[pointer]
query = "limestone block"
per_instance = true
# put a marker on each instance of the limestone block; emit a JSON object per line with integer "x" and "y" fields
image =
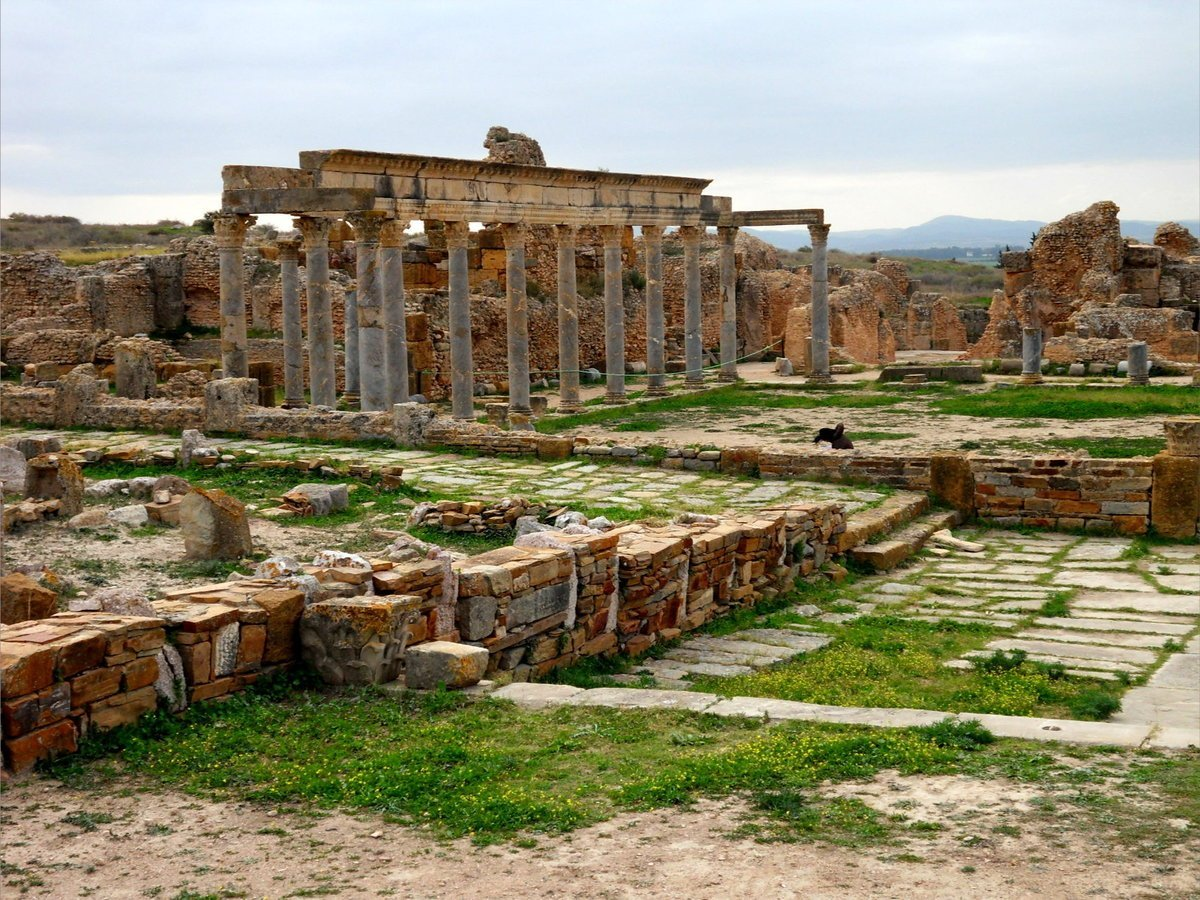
{"x": 317, "y": 499}
{"x": 214, "y": 526}
{"x": 23, "y": 599}
{"x": 284, "y": 608}
{"x": 55, "y": 476}
{"x": 477, "y": 617}
{"x": 358, "y": 640}
{"x": 444, "y": 663}
{"x": 951, "y": 480}
{"x": 22, "y": 715}
{"x": 1175, "y": 500}
{"x": 12, "y": 471}
{"x": 227, "y": 401}
{"x": 38, "y": 446}
{"x": 170, "y": 684}
{"x": 129, "y": 516}
{"x": 123, "y": 709}
{"x": 1183, "y": 435}
{"x": 534, "y": 605}
{"x": 225, "y": 650}
{"x": 135, "y": 377}
{"x": 21, "y": 754}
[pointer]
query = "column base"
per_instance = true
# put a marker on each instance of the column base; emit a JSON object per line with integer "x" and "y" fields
{"x": 727, "y": 378}
{"x": 350, "y": 399}
{"x": 1032, "y": 378}
{"x": 615, "y": 398}
{"x": 520, "y": 410}
{"x": 569, "y": 409}
{"x": 1140, "y": 380}
{"x": 817, "y": 378}
{"x": 656, "y": 391}
{"x": 693, "y": 382}
{"x": 293, "y": 404}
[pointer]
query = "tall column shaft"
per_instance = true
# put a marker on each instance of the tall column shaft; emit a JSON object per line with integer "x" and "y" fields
{"x": 656, "y": 329}
{"x": 350, "y": 325}
{"x": 391, "y": 254}
{"x": 728, "y": 304}
{"x": 372, "y": 346}
{"x": 462, "y": 380}
{"x": 1031, "y": 355}
{"x": 614, "y": 315}
{"x": 1138, "y": 365}
{"x": 693, "y": 310}
{"x": 568, "y": 323}
{"x": 230, "y": 230}
{"x": 322, "y": 360}
{"x": 293, "y": 336}
{"x": 819, "y": 367}
{"x": 518, "y": 318}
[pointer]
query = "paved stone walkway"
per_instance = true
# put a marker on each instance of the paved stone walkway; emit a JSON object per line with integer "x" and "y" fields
{"x": 632, "y": 488}
{"x": 735, "y": 654}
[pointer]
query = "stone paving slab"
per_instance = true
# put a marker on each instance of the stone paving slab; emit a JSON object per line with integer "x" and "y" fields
{"x": 642, "y": 698}
{"x": 686, "y": 658}
{"x": 1111, "y": 581}
{"x": 1174, "y": 738}
{"x": 1120, "y": 625}
{"x": 802, "y": 643}
{"x": 732, "y": 645}
{"x": 1077, "y": 652}
{"x": 1180, "y": 604}
{"x": 1179, "y": 582}
{"x": 1112, "y": 639}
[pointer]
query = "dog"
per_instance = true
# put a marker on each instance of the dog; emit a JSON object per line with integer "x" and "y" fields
{"x": 835, "y": 437}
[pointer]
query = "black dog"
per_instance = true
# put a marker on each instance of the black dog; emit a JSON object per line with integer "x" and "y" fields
{"x": 835, "y": 437}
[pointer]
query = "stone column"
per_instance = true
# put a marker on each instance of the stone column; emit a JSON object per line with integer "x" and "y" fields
{"x": 518, "y": 318}
{"x": 1031, "y": 356}
{"x": 614, "y": 315}
{"x": 1139, "y": 363}
{"x": 391, "y": 252}
{"x": 656, "y": 331}
{"x": 372, "y": 346}
{"x": 350, "y": 326}
{"x": 293, "y": 335}
{"x": 729, "y": 372}
{"x": 568, "y": 322}
{"x": 693, "y": 310}
{"x": 462, "y": 379}
{"x": 818, "y": 369}
{"x": 230, "y": 229}
{"x": 322, "y": 360}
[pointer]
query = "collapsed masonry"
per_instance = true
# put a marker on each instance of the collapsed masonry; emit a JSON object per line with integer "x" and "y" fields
{"x": 1091, "y": 292}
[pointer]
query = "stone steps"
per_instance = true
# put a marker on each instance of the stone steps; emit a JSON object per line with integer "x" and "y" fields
{"x": 885, "y": 555}
{"x": 894, "y": 511}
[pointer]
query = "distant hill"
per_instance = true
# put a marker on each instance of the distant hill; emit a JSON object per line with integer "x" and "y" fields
{"x": 975, "y": 237}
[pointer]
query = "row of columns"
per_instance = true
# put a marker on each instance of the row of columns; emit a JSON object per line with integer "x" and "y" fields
{"x": 376, "y": 348}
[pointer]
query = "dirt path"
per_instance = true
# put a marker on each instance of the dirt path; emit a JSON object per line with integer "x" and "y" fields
{"x": 168, "y": 844}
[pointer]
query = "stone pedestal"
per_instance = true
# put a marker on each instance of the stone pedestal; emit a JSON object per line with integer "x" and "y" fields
{"x": 462, "y": 381}
{"x": 1183, "y": 435}
{"x": 372, "y": 371}
{"x": 614, "y": 315}
{"x": 350, "y": 342}
{"x": 818, "y": 368}
{"x": 391, "y": 254}
{"x": 135, "y": 370}
{"x": 230, "y": 231}
{"x": 293, "y": 336}
{"x": 322, "y": 367}
{"x": 693, "y": 338}
{"x": 1139, "y": 363}
{"x": 1031, "y": 356}
{"x": 656, "y": 383}
{"x": 568, "y": 323}
{"x": 727, "y": 237}
{"x": 517, "y": 318}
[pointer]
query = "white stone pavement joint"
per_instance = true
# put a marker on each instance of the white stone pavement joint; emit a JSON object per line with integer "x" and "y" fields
{"x": 531, "y": 695}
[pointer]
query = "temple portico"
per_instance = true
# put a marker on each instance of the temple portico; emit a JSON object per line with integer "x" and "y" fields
{"x": 377, "y": 194}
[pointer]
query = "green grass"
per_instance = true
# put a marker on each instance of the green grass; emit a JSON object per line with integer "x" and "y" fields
{"x": 1061, "y": 402}
{"x": 490, "y": 771}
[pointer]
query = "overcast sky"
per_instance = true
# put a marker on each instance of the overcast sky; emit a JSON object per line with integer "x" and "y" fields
{"x": 884, "y": 113}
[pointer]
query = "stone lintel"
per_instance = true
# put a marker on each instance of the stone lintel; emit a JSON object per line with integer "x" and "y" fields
{"x": 297, "y": 201}
{"x": 764, "y": 217}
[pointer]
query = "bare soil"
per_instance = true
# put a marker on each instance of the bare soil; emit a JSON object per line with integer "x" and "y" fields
{"x": 169, "y": 844}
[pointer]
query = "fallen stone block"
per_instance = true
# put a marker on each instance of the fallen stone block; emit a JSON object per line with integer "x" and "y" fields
{"x": 23, "y": 599}
{"x": 426, "y": 666}
{"x": 214, "y": 526}
{"x": 358, "y": 640}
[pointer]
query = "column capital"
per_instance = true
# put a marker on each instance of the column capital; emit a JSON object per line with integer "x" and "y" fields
{"x": 289, "y": 247}
{"x": 612, "y": 234}
{"x": 230, "y": 229}
{"x": 514, "y": 233}
{"x": 727, "y": 233}
{"x": 457, "y": 234}
{"x": 652, "y": 234}
{"x": 691, "y": 235}
{"x": 392, "y": 233}
{"x": 314, "y": 229}
{"x": 818, "y": 234}
{"x": 367, "y": 226}
{"x": 566, "y": 234}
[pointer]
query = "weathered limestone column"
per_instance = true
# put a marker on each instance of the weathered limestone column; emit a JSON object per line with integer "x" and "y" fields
{"x": 656, "y": 331}
{"x": 462, "y": 380}
{"x": 693, "y": 311}
{"x": 350, "y": 325}
{"x": 372, "y": 347}
{"x": 1139, "y": 363}
{"x": 614, "y": 315}
{"x": 1175, "y": 497}
{"x": 518, "y": 318}
{"x": 293, "y": 335}
{"x": 1031, "y": 356}
{"x": 391, "y": 252}
{"x": 729, "y": 372}
{"x": 322, "y": 361}
{"x": 818, "y": 370}
{"x": 568, "y": 322}
{"x": 230, "y": 230}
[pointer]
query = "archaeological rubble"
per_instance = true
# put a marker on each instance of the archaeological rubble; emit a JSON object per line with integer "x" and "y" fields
{"x": 353, "y": 330}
